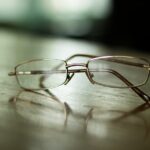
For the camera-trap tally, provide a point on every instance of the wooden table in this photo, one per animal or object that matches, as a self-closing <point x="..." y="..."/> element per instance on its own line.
<point x="120" y="120"/>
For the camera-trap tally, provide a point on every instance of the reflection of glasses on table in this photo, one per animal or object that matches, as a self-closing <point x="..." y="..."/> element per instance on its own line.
<point x="109" y="71"/>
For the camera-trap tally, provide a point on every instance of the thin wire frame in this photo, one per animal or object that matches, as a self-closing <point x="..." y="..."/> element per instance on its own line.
<point x="87" y="71"/>
<point x="70" y="72"/>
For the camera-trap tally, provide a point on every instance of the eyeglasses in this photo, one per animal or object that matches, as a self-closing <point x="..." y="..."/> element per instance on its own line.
<point x="110" y="71"/>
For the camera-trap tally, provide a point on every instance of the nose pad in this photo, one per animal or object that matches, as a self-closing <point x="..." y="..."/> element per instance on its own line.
<point x="69" y="77"/>
<point x="91" y="74"/>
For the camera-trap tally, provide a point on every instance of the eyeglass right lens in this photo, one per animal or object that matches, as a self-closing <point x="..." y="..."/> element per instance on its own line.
<point x="40" y="74"/>
<point x="110" y="70"/>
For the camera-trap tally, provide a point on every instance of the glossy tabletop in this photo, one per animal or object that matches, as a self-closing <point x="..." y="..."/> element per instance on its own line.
<point x="95" y="117"/>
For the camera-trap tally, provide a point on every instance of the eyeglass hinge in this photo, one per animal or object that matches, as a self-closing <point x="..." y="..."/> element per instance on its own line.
<point x="147" y="66"/>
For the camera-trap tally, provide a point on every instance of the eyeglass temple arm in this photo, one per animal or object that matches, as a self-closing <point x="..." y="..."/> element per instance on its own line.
<point x="113" y="60"/>
<point x="138" y="91"/>
<point x="37" y="72"/>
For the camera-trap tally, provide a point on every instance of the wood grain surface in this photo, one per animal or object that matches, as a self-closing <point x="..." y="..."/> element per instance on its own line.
<point x="97" y="117"/>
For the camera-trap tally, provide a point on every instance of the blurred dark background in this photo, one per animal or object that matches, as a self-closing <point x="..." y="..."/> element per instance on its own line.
<point x="112" y="22"/>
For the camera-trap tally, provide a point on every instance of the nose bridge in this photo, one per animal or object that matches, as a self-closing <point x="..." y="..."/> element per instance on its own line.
<point x="77" y="70"/>
<point x="84" y="69"/>
<point x="76" y="65"/>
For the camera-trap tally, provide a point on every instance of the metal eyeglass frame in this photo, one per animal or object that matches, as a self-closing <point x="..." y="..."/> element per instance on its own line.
<point x="70" y="73"/>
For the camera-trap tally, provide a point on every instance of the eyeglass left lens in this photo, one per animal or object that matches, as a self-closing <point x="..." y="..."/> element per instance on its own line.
<point x="41" y="74"/>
